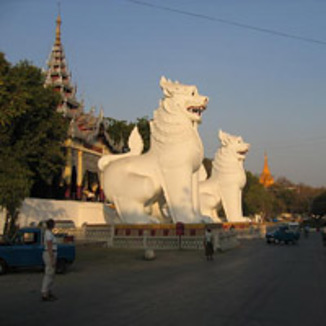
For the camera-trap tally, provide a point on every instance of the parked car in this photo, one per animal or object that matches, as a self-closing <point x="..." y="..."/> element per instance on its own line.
<point x="284" y="234"/>
<point x="294" y="226"/>
<point x="25" y="249"/>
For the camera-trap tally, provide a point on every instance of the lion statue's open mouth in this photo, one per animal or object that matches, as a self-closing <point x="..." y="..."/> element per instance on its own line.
<point x="198" y="110"/>
<point x="242" y="153"/>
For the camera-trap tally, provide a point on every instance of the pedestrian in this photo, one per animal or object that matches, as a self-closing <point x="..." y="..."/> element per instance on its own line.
<point x="306" y="230"/>
<point x="208" y="243"/>
<point x="49" y="259"/>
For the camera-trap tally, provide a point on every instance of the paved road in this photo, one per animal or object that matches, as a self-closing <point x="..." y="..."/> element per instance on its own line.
<point x="254" y="285"/>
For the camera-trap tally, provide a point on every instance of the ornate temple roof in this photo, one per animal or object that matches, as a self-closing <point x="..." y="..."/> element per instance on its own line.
<point x="266" y="178"/>
<point x="85" y="128"/>
<point x="59" y="78"/>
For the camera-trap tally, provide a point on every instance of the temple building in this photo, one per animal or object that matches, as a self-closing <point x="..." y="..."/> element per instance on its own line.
<point x="266" y="178"/>
<point x="87" y="138"/>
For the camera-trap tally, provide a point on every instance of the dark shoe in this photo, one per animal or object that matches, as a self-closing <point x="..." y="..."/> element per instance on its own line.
<point x="53" y="297"/>
<point x="48" y="298"/>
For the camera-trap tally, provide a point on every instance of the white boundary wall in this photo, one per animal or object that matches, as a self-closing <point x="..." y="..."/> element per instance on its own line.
<point x="35" y="210"/>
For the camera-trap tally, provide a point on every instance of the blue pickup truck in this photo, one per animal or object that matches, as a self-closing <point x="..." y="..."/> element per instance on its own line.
<point x="284" y="234"/>
<point x="25" y="249"/>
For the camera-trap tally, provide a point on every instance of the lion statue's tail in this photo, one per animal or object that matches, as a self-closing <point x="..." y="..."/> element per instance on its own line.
<point x="136" y="146"/>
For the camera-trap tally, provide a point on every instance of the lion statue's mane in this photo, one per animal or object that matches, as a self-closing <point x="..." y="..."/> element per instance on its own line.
<point x="134" y="181"/>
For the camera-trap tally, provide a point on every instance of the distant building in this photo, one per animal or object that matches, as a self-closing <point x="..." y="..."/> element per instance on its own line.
<point x="266" y="178"/>
<point x="87" y="139"/>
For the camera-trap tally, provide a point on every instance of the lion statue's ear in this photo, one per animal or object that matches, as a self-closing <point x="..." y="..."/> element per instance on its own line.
<point x="223" y="137"/>
<point x="167" y="92"/>
<point x="164" y="84"/>
<point x="163" y="81"/>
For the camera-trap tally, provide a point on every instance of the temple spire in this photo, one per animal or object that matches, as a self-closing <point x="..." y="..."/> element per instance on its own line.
<point x="58" y="28"/>
<point x="266" y="178"/>
<point x="58" y="76"/>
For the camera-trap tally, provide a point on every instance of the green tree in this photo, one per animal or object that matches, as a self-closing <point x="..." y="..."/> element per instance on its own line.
<point x="293" y="198"/>
<point x="318" y="206"/>
<point x="257" y="199"/>
<point x="304" y="198"/>
<point x="119" y="131"/>
<point x="31" y="135"/>
<point x="285" y="195"/>
<point x="144" y="130"/>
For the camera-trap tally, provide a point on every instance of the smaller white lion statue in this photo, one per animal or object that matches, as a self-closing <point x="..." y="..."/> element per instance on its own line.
<point x="224" y="186"/>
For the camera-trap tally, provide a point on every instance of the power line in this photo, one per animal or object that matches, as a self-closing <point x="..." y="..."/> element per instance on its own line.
<point x="298" y="144"/>
<point x="230" y="22"/>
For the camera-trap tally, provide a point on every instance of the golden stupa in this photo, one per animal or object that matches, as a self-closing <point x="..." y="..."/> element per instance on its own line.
<point x="266" y="178"/>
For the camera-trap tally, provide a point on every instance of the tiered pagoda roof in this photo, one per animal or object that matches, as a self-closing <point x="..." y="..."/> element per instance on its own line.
<point x="85" y="128"/>
<point x="59" y="78"/>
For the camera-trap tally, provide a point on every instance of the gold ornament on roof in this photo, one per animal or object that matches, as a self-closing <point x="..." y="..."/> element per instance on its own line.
<point x="58" y="28"/>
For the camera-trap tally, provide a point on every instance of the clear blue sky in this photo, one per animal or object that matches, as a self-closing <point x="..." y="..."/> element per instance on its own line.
<point x="268" y="88"/>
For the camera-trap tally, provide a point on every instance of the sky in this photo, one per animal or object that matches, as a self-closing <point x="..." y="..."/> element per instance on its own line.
<point x="260" y="62"/>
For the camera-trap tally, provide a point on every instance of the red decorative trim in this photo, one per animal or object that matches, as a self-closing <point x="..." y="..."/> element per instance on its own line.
<point x="79" y="192"/>
<point x="67" y="192"/>
<point x="102" y="196"/>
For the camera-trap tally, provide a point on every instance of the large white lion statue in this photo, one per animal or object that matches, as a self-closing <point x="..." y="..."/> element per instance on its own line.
<point x="226" y="182"/>
<point x="133" y="182"/>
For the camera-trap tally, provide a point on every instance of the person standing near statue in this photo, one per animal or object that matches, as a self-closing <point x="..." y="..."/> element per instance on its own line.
<point x="49" y="259"/>
<point x="208" y="243"/>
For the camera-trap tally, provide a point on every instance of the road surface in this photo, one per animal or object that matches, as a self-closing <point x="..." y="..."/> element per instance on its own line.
<point x="254" y="285"/>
